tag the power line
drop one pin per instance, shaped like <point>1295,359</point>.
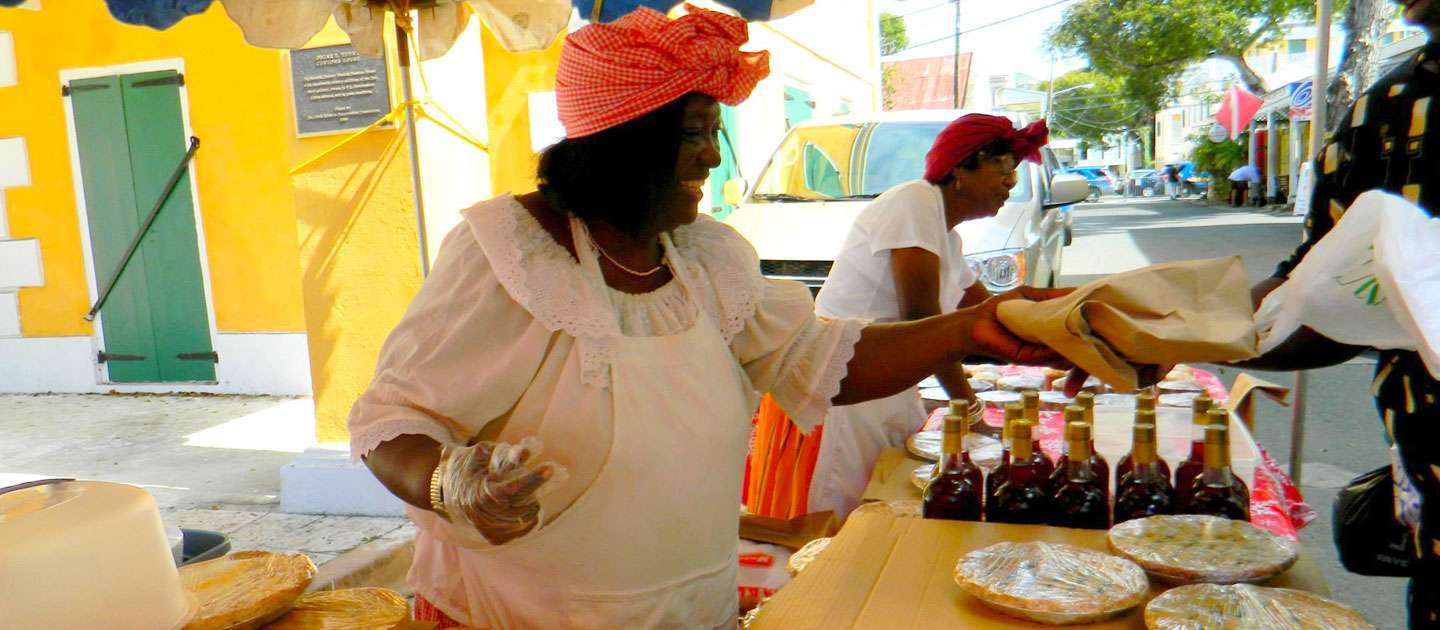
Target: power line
<point>990,24</point>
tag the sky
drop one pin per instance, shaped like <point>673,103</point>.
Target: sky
<point>1017,45</point>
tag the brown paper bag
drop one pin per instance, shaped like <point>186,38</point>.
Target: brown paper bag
<point>1179,312</point>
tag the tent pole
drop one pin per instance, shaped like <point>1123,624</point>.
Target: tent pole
<point>402,50</point>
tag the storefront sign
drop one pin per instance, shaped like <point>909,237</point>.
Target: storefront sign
<point>1218,134</point>
<point>1301,97</point>
<point>337,90</point>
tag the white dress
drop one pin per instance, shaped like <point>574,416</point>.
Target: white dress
<point>648,395</point>
<point>860,285</point>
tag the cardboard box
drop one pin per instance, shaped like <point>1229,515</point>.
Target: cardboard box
<point>884,571</point>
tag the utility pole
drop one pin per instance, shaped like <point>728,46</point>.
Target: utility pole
<point>957,54</point>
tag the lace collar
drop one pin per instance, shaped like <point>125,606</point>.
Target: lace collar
<point>715,264</point>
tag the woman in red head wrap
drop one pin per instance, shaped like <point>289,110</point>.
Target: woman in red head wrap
<point>602,317</point>
<point>903,261</point>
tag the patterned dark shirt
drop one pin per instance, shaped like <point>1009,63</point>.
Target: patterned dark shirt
<point>1386,142</point>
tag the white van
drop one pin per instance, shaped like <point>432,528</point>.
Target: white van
<point>824,173</point>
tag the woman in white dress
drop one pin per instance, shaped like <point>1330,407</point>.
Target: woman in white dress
<point>603,317</point>
<point>903,261</point>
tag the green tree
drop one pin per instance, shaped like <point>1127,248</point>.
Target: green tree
<point>1154,40</point>
<point>1094,114</point>
<point>893,37</point>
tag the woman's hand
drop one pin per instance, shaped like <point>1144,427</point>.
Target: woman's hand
<point>989,337</point>
<point>490,486</point>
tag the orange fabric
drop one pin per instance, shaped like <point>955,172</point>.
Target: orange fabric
<point>782,462</point>
<point>425,611</point>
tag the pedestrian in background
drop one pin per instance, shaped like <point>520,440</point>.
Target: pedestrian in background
<point>1240,181</point>
<point>1172,181</point>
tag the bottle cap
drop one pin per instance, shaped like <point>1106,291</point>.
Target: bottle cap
<point>1201,405</point>
<point>1031,398</point>
<point>1077,431</point>
<point>1075,413</point>
<point>1145,416</point>
<point>956,423</point>
<point>960,407</point>
<point>1086,400</point>
<point>1217,434</point>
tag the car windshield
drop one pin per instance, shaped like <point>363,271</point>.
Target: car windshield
<point>817,163</point>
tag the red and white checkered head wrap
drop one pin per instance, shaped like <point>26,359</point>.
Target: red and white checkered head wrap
<point>614,73</point>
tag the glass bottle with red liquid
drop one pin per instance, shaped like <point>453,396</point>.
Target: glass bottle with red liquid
<point>1082,501</point>
<point>1218,491</point>
<point>1144,414</point>
<point>1086,401</point>
<point>1030,399</point>
<point>1189,469</point>
<point>1021,499</point>
<point>1013,414</point>
<point>1145,490</point>
<point>956,491</point>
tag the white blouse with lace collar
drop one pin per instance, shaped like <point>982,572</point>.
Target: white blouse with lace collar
<point>488,349</point>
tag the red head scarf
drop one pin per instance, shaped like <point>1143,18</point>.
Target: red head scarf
<point>969,133</point>
<point>613,73</point>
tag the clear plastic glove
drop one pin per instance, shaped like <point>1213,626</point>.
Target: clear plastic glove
<point>491,486</point>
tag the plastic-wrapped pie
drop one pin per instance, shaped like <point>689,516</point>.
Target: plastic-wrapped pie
<point>1178,399</point>
<point>1052,583</point>
<point>805,555</point>
<point>1192,548</point>
<point>1092,385</point>
<point>1177,386</point>
<point>246,589</point>
<point>926,445</point>
<point>345,609</point>
<point>1246,607</point>
<point>1020,383</point>
<point>903,509</point>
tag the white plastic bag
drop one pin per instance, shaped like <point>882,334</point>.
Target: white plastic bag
<point>1373,280</point>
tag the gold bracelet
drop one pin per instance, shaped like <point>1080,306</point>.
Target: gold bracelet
<point>437,495</point>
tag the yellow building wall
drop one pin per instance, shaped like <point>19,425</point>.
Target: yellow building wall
<point>509,80</point>
<point>236,106</point>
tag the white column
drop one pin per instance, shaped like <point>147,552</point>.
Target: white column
<point>1295,158</point>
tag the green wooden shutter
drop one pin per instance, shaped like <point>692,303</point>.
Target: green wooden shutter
<point>130,140</point>
<point>172,255</point>
<point>99,110</point>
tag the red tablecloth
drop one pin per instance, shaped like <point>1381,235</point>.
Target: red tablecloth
<point>1275,503</point>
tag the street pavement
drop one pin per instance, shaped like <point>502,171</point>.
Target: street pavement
<point>1342,433</point>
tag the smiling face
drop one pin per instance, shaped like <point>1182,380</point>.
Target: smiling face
<point>1424,13</point>
<point>983,191</point>
<point>699,152</point>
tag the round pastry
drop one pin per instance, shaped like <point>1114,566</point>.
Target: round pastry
<point>246,589</point>
<point>1246,607</point>
<point>1092,385</point>
<point>1180,386</point>
<point>1180,399</point>
<point>1055,401</point>
<point>902,509</point>
<point>980,385</point>
<point>926,445</point>
<point>934,393</point>
<point>805,555</point>
<point>997,399</point>
<point>1115,400</point>
<point>1052,583</point>
<point>1192,548</point>
<point>1180,372</point>
<point>345,609</point>
<point>1020,383</point>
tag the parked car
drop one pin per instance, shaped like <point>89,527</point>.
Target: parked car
<point>823,174</point>
<point>1143,182</point>
<point>1099,180</point>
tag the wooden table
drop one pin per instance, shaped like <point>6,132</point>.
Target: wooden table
<point>883,571</point>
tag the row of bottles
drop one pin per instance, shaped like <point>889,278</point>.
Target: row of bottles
<point>1026,488</point>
